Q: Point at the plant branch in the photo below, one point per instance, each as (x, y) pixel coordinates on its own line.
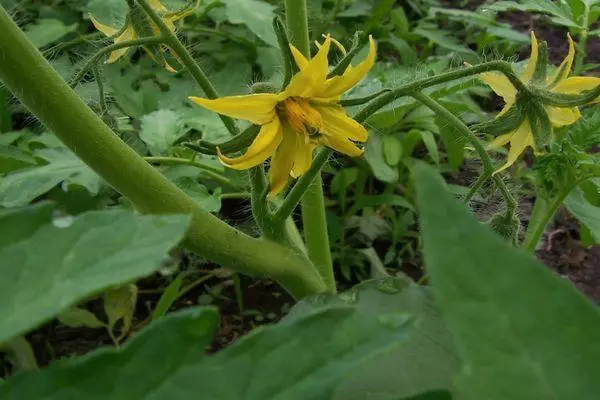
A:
(211, 172)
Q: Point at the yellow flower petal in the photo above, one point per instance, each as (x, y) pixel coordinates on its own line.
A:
(128, 34)
(341, 145)
(257, 108)
(499, 141)
(520, 140)
(282, 162)
(303, 159)
(530, 69)
(107, 30)
(562, 116)
(577, 84)
(564, 69)
(312, 77)
(337, 123)
(339, 84)
(501, 85)
(301, 61)
(261, 148)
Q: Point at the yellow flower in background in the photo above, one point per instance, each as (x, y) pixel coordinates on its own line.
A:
(129, 32)
(306, 114)
(558, 82)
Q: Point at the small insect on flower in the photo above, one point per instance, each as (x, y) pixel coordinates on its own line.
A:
(306, 114)
(536, 80)
(138, 25)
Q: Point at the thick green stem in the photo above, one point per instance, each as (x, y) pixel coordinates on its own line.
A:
(582, 42)
(188, 61)
(488, 166)
(260, 207)
(33, 81)
(313, 202)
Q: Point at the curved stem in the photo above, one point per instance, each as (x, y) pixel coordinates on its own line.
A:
(313, 202)
(488, 166)
(188, 61)
(109, 49)
(39, 87)
(212, 172)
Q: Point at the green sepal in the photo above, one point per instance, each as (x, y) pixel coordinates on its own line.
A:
(289, 64)
(506, 225)
(568, 100)
(357, 43)
(505, 123)
(262, 87)
(541, 67)
(541, 127)
(237, 143)
(362, 100)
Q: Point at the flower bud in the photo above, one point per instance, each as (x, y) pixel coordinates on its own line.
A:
(262, 87)
(507, 226)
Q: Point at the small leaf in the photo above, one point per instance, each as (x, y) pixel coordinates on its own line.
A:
(160, 129)
(256, 15)
(167, 298)
(76, 317)
(375, 158)
(119, 305)
(46, 31)
(380, 200)
(588, 214)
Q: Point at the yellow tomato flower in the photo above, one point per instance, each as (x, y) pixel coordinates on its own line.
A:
(558, 82)
(306, 114)
(129, 33)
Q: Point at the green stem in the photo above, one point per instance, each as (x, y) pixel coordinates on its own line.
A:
(98, 79)
(313, 201)
(211, 172)
(109, 49)
(476, 186)
(260, 207)
(39, 88)
(188, 61)
(582, 42)
(488, 166)
(5, 115)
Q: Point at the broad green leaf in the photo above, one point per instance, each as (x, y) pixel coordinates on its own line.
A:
(144, 368)
(445, 40)
(256, 15)
(21, 187)
(559, 15)
(109, 12)
(357, 9)
(46, 31)
(522, 332)
(392, 150)
(166, 361)
(160, 129)
(380, 200)
(12, 158)
(17, 224)
(426, 361)
(68, 263)
(375, 158)
(211, 202)
(586, 213)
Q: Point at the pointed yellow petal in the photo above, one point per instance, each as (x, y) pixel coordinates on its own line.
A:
(337, 44)
(501, 85)
(564, 69)
(520, 140)
(301, 61)
(577, 84)
(128, 34)
(107, 30)
(499, 141)
(533, 58)
(303, 159)
(337, 123)
(312, 77)
(562, 116)
(341, 145)
(339, 84)
(261, 148)
(282, 162)
(256, 108)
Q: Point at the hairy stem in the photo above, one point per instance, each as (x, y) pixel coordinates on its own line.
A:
(582, 42)
(209, 171)
(39, 87)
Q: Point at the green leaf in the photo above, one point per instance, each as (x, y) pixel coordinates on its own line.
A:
(454, 143)
(392, 150)
(167, 298)
(160, 129)
(586, 213)
(47, 31)
(559, 15)
(426, 361)
(166, 361)
(256, 15)
(96, 251)
(79, 317)
(380, 200)
(523, 333)
(143, 369)
(20, 223)
(119, 305)
(375, 159)
(21, 187)
(211, 202)
(12, 158)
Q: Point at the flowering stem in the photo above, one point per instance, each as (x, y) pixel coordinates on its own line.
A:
(260, 207)
(187, 60)
(109, 49)
(313, 203)
(39, 87)
(488, 166)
